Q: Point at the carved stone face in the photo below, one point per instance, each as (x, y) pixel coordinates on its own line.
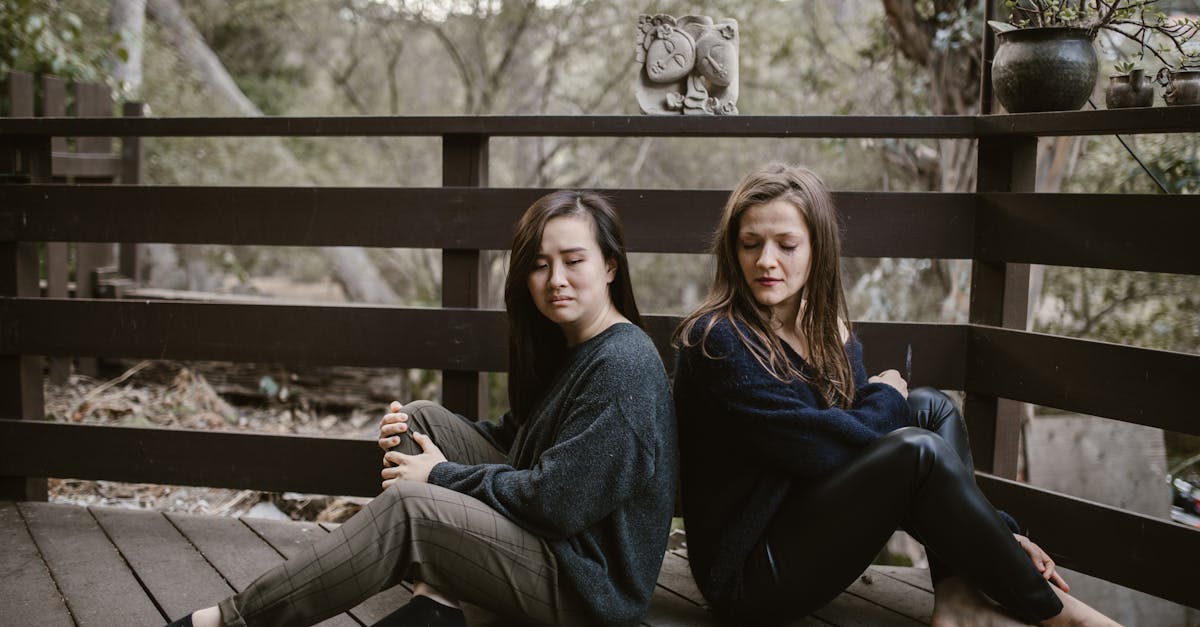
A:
(716, 56)
(671, 55)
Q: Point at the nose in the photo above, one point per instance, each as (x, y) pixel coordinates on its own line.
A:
(767, 258)
(558, 275)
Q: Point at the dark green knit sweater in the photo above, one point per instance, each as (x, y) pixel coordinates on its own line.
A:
(592, 471)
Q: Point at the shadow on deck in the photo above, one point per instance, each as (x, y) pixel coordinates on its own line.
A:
(67, 565)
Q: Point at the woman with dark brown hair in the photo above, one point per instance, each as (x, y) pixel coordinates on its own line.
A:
(556, 515)
(797, 466)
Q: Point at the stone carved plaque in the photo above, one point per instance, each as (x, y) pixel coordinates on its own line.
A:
(687, 65)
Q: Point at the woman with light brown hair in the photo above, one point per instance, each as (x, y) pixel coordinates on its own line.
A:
(797, 467)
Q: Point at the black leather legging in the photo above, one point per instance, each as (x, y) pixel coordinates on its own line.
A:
(913, 478)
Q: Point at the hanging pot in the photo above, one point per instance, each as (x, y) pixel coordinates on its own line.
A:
(1182, 87)
(1044, 69)
(1134, 89)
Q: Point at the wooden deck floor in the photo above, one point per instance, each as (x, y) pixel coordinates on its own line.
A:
(68, 565)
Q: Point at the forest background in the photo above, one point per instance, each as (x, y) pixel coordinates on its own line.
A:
(434, 57)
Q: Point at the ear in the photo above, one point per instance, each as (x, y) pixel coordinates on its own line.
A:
(610, 266)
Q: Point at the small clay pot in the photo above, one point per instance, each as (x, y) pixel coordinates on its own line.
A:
(1134, 89)
(1044, 69)
(1183, 88)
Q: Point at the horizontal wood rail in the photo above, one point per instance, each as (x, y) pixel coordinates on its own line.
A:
(1183, 119)
(1123, 382)
(449, 338)
(1088, 230)
(670, 221)
(186, 457)
(1141, 552)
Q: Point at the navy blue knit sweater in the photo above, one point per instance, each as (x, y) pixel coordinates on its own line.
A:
(746, 439)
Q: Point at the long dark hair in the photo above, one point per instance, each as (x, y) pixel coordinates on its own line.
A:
(824, 301)
(537, 346)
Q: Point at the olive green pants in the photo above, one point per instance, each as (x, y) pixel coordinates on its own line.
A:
(418, 532)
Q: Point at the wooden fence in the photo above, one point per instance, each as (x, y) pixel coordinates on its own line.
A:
(1000, 227)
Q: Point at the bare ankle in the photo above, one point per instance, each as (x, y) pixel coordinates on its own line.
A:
(420, 588)
(208, 617)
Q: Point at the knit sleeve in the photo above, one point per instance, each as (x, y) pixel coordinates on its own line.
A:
(783, 423)
(501, 433)
(599, 457)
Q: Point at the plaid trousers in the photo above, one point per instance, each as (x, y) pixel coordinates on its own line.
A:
(418, 532)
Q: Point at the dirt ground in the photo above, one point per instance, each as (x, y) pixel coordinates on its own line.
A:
(176, 395)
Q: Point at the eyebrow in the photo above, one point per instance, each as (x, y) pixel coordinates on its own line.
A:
(565, 251)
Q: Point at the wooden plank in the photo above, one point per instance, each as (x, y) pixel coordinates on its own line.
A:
(20, 94)
(551, 125)
(1137, 385)
(289, 538)
(676, 576)
(1155, 556)
(175, 456)
(849, 610)
(1097, 122)
(1090, 230)
(894, 594)
(453, 339)
(235, 551)
(30, 596)
(675, 221)
(916, 577)
(54, 105)
(178, 577)
(93, 100)
(90, 165)
(668, 609)
(464, 277)
(98, 585)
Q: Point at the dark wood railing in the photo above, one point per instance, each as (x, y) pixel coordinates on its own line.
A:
(1000, 227)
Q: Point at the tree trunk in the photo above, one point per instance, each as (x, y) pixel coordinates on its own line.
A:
(127, 20)
(353, 269)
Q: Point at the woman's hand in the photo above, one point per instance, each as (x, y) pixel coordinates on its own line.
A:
(1042, 561)
(892, 378)
(393, 424)
(412, 467)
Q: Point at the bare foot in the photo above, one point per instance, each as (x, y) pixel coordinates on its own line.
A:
(956, 603)
(1077, 614)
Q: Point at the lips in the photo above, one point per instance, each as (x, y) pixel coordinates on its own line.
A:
(768, 282)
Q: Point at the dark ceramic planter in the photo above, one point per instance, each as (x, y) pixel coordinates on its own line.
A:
(1183, 88)
(1044, 69)
(1134, 89)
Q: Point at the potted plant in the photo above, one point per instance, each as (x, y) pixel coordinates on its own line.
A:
(1045, 59)
(1129, 87)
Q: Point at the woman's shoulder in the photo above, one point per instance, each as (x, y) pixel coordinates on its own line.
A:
(626, 345)
(717, 336)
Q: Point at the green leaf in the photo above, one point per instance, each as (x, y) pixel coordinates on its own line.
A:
(1001, 27)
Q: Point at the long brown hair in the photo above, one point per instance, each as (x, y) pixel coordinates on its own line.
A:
(824, 303)
(537, 346)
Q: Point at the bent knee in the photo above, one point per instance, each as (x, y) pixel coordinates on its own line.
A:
(933, 399)
(926, 448)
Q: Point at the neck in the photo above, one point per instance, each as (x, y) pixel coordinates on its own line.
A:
(584, 330)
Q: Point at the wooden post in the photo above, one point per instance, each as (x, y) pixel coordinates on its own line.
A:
(54, 104)
(464, 279)
(21, 375)
(1000, 297)
(91, 100)
(131, 174)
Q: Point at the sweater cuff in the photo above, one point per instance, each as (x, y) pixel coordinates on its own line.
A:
(442, 472)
